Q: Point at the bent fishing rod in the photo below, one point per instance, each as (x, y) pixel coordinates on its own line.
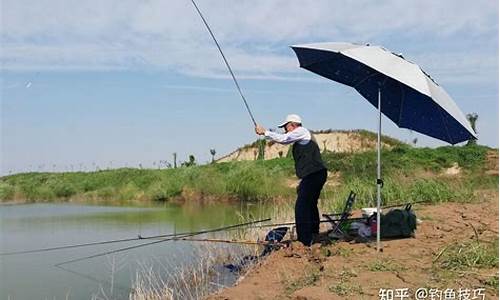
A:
(179, 236)
(225, 61)
(170, 235)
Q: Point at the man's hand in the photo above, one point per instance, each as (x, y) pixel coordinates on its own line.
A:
(259, 130)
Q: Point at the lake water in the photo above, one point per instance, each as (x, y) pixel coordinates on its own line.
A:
(34, 276)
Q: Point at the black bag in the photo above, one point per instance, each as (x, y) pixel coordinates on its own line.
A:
(398, 223)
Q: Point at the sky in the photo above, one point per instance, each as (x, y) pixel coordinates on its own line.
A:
(106, 84)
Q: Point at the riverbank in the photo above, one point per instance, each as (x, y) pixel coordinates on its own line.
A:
(455, 249)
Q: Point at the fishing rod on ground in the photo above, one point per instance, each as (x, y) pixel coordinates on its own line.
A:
(404, 204)
(63, 247)
(347, 219)
(161, 241)
(244, 242)
(321, 221)
(225, 61)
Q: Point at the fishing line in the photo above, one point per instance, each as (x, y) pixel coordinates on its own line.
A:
(89, 244)
(117, 250)
(226, 62)
(179, 236)
(96, 280)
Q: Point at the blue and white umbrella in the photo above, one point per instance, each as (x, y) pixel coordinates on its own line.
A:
(400, 90)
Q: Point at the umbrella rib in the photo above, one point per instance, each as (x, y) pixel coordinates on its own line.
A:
(403, 96)
(364, 79)
(446, 127)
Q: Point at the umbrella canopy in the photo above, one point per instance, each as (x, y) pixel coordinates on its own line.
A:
(409, 97)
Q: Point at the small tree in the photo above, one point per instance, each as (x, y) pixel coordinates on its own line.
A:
(472, 118)
(191, 162)
(212, 151)
(262, 149)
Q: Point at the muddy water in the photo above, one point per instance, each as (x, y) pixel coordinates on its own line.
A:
(35, 226)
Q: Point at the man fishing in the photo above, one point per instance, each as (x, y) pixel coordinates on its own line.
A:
(309, 167)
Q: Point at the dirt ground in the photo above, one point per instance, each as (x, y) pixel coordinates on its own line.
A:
(348, 270)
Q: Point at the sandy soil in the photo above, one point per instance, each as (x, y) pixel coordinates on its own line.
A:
(347, 270)
(336, 141)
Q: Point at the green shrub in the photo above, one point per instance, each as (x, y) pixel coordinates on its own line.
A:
(162, 191)
(6, 191)
(46, 193)
(63, 190)
(106, 193)
(129, 192)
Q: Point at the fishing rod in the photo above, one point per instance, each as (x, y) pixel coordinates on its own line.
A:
(106, 242)
(263, 243)
(225, 61)
(404, 204)
(321, 221)
(160, 241)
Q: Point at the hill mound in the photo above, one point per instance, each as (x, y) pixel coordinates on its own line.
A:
(340, 141)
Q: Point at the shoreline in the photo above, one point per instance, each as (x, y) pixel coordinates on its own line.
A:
(353, 270)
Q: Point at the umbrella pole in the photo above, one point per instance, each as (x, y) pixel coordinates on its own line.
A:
(379, 180)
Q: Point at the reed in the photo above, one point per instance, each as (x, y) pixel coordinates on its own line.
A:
(163, 279)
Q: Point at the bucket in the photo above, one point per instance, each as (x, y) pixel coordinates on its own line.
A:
(368, 211)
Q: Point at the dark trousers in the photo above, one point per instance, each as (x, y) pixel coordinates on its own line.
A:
(306, 207)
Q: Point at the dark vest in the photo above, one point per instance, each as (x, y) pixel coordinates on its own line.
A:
(307, 158)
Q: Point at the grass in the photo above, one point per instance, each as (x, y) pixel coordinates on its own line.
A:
(468, 258)
(385, 265)
(492, 282)
(344, 287)
(410, 174)
(469, 255)
(345, 252)
(246, 181)
(308, 278)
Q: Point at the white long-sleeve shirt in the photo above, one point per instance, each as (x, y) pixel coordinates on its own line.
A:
(299, 134)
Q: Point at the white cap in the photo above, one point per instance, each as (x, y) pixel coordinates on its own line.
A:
(291, 118)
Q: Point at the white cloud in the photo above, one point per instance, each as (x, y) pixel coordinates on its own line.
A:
(456, 67)
(124, 34)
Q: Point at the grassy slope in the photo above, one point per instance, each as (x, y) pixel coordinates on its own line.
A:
(410, 174)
